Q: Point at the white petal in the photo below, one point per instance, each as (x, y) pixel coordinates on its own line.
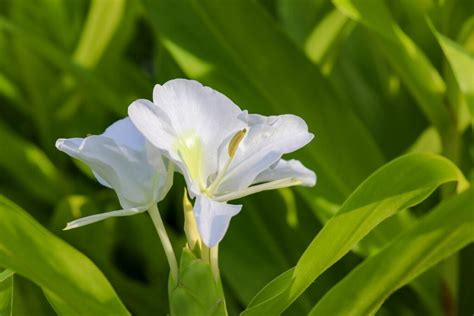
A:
(284, 169)
(213, 219)
(102, 180)
(99, 217)
(187, 114)
(267, 139)
(124, 133)
(135, 180)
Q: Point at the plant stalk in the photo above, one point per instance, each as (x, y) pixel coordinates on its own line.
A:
(165, 241)
(214, 258)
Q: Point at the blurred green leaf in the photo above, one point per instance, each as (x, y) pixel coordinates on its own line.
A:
(462, 64)
(6, 292)
(300, 16)
(10, 91)
(415, 69)
(380, 196)
(103, 18)
(94, 87)
(444, 231)
(70, 280)
(324, 41)
(31, 167)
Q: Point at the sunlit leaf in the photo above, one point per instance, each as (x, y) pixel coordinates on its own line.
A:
(400, 184)
(444, 231)
(462, 64)
(30, 166)
(102, 21)
(70, 280)
(415, 69)
(6, 292)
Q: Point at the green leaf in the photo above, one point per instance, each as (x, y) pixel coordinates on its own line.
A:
(400, 184)
(72, 283)
(102, 21)
(30, 166)
(325, 40)
(89, 83)
(462, 64)
(415, 69)
(216, 43)
(443, 232)
(29, 299)
(298, 17)
(6, 292)
(197, 292)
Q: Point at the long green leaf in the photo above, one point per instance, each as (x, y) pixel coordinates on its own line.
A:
(30, 166)
(72, 283)
(217, 43)
(443, 232)
(462, 64)
(421, 78)
(402, 183)
(103, 18)
(6, 292)
(325, 39)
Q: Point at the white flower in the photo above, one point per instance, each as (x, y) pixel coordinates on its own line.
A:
(123, 160)
(223, 152)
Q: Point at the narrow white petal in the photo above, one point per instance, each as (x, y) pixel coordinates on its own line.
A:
(99, 217)
(273, 185)
(267, 139)
(288, 169)
(213, 219)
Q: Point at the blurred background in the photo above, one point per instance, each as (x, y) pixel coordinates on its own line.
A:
(373, 80)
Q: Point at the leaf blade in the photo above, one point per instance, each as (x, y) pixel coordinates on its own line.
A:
(438, 235)
(371, 203)
(70, 280)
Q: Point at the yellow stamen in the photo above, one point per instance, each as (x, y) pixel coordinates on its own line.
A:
(233, 144)
(235, 141)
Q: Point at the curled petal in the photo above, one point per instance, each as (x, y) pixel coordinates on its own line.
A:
(267, 139)
(288, 169)
(136, 179)
(124, 133)
(213, 219)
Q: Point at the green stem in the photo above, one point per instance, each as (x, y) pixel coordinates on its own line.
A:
(165, 241)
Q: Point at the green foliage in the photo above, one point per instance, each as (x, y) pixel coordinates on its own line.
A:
(6, 292)
(432, 239)
(379, 197)
(197, 292)
(374, 80)
(72, 283)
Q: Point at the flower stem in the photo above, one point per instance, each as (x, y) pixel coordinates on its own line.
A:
(165, 241)
(214, 258)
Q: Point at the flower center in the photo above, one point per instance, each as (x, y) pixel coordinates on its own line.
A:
(190, 149)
